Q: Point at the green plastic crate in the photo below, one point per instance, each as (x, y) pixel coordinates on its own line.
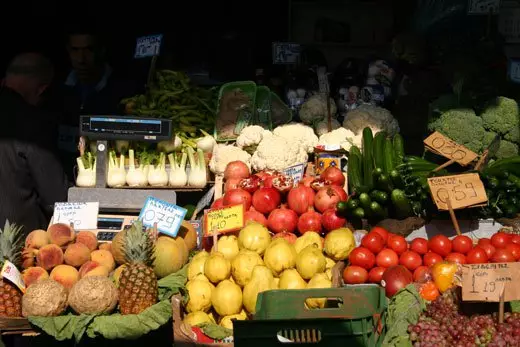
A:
(281, 314)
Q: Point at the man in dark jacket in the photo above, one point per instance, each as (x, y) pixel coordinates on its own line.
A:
(31, 176)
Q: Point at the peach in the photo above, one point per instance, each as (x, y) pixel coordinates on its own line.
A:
(77, 254)
(104, 258)
(93, 268)
(106, 246)
(49, 256)
(34, 274)
(65, 275)
(37, 239)
(61, 234)
(28, 257)
(87, 238)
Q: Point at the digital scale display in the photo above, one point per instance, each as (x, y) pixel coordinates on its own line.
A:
(122, 127)
(110, 223)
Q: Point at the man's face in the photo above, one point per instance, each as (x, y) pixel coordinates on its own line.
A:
(83, 55)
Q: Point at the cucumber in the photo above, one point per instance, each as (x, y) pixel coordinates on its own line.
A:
(352, 204)
(511, 164)
(398, 143)
(379, 146)
(376, 209)
(377, 172)
(415, 159)
(389, 156)
(396, 178)
(354, 150)
(402, 205)
(364, 200)
(417, 167)
(354, 171)
(359, 213)
(342, 208)
(368, 160)
(379, 196)
(384, 183)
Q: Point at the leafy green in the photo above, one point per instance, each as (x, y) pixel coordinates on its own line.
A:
(515, 306)
(404, 309)
(214, 331)
(63, 327)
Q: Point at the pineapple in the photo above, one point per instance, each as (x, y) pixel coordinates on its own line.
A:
(138, 283)
(11, 244)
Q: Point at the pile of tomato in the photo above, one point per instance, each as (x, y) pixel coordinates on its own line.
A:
(381, 250)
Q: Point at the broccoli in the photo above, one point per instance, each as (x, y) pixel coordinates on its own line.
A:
(507, 149)
(462, 126)
(513, 135)
(501, 115)
(488, 138)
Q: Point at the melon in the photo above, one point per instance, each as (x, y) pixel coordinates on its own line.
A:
(168, 257)
(189, 234)
(93, 295)
(117, 247)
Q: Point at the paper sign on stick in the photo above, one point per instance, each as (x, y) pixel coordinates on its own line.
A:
(450, 149)
(466, 190)
(224, 220)
(485, 282)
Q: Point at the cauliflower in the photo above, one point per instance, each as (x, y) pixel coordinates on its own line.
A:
(250, 137)
(315, 109)
(341, 136)
(501, 116)
(322, 127)
(374, 117)
(298, 134)
(224, 154)
(277, 153)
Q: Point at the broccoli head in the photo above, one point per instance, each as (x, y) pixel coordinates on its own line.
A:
(513, 135)
(507, 149)
(462, 126)
(501, 115)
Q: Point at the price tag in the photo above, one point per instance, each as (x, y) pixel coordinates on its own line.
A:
(485, 282)
(296, 172)
(11, 273)
(168, 216)
(483, 6)
(148, 46)
(450, 149)
(83, 215)
(323, 80)
(466, 190)
(285, 52)
(514, 71)
(224, 220)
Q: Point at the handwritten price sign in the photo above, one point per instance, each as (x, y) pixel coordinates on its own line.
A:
(168, 216)
(224, 220)
(296, 172)
(485, 282)
(483, 6)
(83, 215)
(466, 190)
(148, 46)
(450, 149)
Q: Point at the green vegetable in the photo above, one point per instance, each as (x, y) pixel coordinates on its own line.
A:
(396, 178)
(359, 213)
(389, 156)
(379, 147)
(342, 207)
(352, 203)
(354, 170)
(376, 209)
(511, 165)
(401, 203)
(384, 183)
(398, 143)
(364, 200)
(379, 196)
(215, 331)
(368, 160)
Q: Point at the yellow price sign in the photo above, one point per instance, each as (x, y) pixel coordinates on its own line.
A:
(223, 220)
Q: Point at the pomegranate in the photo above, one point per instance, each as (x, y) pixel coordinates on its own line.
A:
(254, 216)
(300, 199)
(396, 278)
(282, 183)
(330, 220)
(334, 176)
(236, 169)
(237, 196)
(309, 221)
(250, 184)
(307, 180)
(290, 237)
(282, 219)
(231, 183)
(219, 203)
(266, 199)
(326, 198)
(341, 192)
(319, 183)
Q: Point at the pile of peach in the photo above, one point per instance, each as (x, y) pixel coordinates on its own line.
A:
(64, 256)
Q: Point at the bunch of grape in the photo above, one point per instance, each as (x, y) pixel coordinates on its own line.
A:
(443, 325)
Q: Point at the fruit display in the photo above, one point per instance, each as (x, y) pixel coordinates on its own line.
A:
(11, 244)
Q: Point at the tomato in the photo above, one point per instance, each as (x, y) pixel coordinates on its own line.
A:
(419, 245)
(455, 257)
(502, 255)
(462, 244)
(422, 274)
(440, 244)
(362, 257)
(376, 274)
(477, 256)
(387, 258)
(397, 243)
(484, 241)
(355, 275)
(500, 239)
(410, 260)
(489, 249)
(515, 239)
(429, 291)
(514, 249)
(373, 241)
(381, 231)
(431, 258)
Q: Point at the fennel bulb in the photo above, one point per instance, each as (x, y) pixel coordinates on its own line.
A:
(197, 178)
(178, 176)
(169, 146)
(157, 175)
(116, 176)
(86, 171)
(206, 143)
(135, 177)
(122, 146)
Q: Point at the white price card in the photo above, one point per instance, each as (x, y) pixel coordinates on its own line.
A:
(296, 172)
(513, 70)
(11, 273)
(483, 6)
(148, 46)
(285, 52)
(167, 216)
(83, 215)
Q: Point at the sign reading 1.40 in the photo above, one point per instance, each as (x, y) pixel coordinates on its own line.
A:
(168, 217)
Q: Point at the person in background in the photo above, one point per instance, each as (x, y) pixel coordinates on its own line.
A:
(31, 176)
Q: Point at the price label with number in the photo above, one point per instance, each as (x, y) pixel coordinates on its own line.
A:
(483, 6)
(148, 46)
(285, 52)
(82, 215)
(224, 220)
(296, 172)
(466, 190)
(450, 149)
(486, 282)
(168, 216)
(11, 273)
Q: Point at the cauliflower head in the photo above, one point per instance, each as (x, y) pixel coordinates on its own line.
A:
(341, 136)
(224, 154)
(277, 153)
(322, 127)
(375, 117)
(298, 134)
(315, 109)
(501, 116)
(250, 137)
